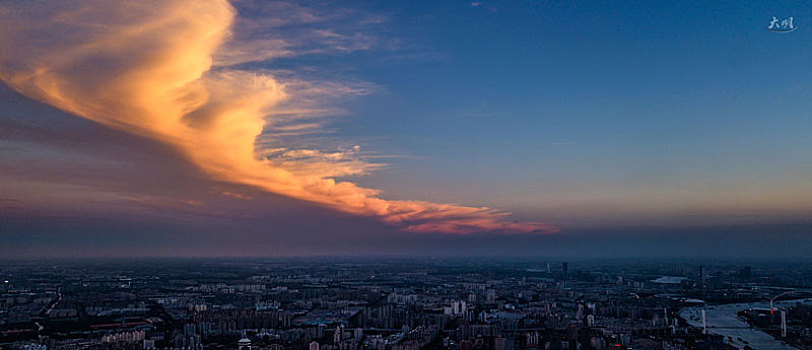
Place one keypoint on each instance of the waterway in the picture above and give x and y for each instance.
(722, 320)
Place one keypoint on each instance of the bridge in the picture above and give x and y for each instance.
(788, 292)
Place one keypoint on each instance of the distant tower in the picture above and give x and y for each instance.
(565, 267)
(548, 268)
(702, 275)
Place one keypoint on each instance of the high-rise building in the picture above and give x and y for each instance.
(244, 344)
(337, 335)
(532, 340)
(490, 295)
(702, 275)
(314, 345)
(466, 344)
(498, 343)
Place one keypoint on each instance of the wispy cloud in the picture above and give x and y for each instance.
(164, 70)
(265, 30)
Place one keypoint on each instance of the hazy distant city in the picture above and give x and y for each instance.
(404, 304)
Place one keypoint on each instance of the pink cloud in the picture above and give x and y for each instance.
(149, 68)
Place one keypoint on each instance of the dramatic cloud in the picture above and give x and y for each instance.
(164, 70)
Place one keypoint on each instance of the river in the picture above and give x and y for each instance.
(722, 320)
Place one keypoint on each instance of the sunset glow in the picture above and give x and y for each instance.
(158, 80)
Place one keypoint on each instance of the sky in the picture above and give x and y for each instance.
(274, 128)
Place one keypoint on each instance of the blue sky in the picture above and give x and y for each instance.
(518, 100)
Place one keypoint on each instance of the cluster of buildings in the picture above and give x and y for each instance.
(344, 304)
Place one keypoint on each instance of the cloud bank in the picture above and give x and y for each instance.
(162, 70)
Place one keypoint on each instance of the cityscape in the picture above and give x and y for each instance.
(405, 175)
(405, 304)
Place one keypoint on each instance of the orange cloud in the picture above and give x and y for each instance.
(147, 68)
